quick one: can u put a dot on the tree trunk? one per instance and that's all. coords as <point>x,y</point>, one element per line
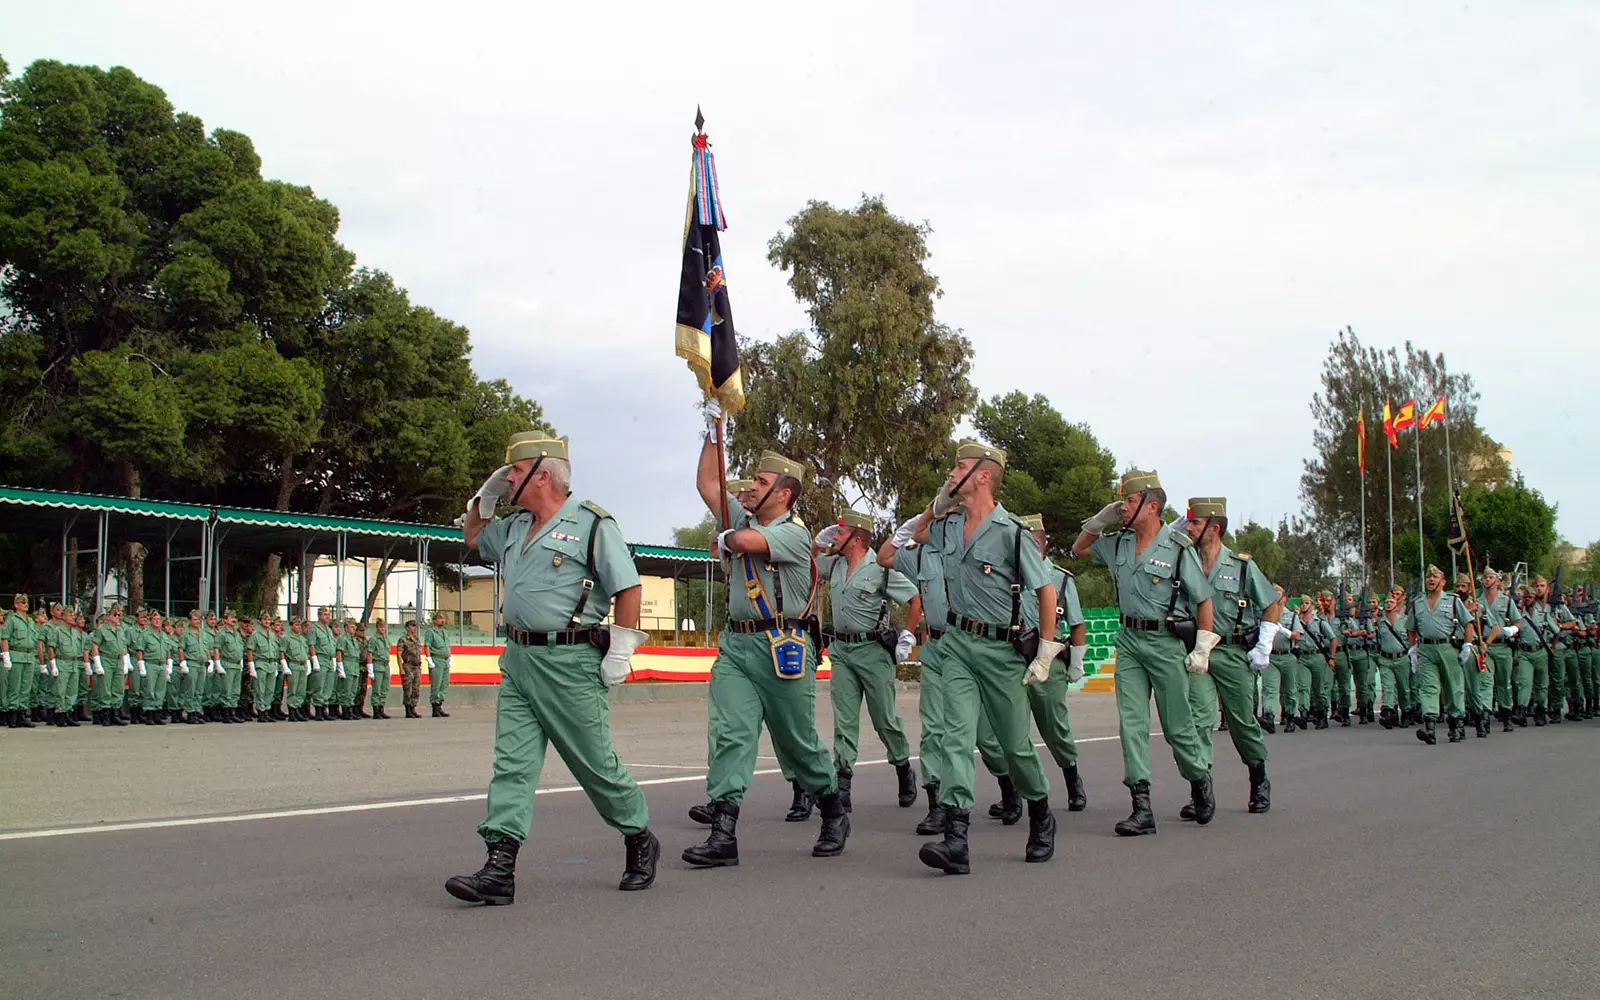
<point>384,569</point>
<point>274,570</point>
<point>133,552</point>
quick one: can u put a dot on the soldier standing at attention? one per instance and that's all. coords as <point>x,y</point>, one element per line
<point>1242,599</point>
<point>437,645</point>
<point>991,566</point>
<point>379,670</point>
<point>862,593</point>
<point>320,637</point>
<point>231,658</point>
<point>1162,591</point>
<point>349,670</point>
<point>297,653</point>
<point>565,565</point>
<point>195,649</point>
<point>765,670</point>
<point>68,658</point>
<point>410,651</point>
<point>109,645</point>
<point>19,653</point>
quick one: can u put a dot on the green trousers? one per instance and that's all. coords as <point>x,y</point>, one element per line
<point>864,671</point>
<point>983,677</point>
<point>989,749</point>
<point>1277,686</point>
<point>67,686</point>
<point>1530,674</point>
<point>320,684</point>
<point>44,688</point>
<point>1340,695</point>
<point>1151,664</point>
<point>20,682</point>
<point>746,693</point>
<point>191,686</point>
<point>438,680</point>
<point>553,695</point>
<point>232,686</point>
<point>1318,678</point>
<point>713,726</point>
<point>1395,675</point>
<point>1048,702</point>
<point>1501,662</point>
<point>155,686</point>
<point>299,682</point>
<point>1440,681</point>
<point>108,686</point>
<point>1556,678</point>
<point>1364,668</point>
<point>264,686</point>
<point>1591,681</point>
<point>930,710</point>
<point>1573,689</point>
<point>1231,682</point>
<point>344,689</point>
<point>1479,685</point>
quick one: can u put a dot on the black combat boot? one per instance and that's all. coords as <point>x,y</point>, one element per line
<point>81,713</point>
<point>1538,716</point>
<point>1505,715</point>
<point>1041,832</point>
<point>1484,724</point>
<point>835,826</point>
<point>1552,712</point>
<point>703,813</point>
<point>844,787</point>
<point>1386,717</point>
<point>1009,809</point>
<point>495,883</point>
<point>933,824</point>
<point>721,849</point>
<point>412,713</point>
<point>1077,798</point>
<point>1141,820</point>
<point>642,850</point>
<point>1574,713</point>
<point>1344,716</point>
<point>1458,728</point>
<point>112,719</point>
<point>908,784</point>
<point>1222,726</point>
<point>438,711</point>
<point>1205,803</point>
<point>800,805</point>
<point>950,854</point>
<point>1322,718</point>
<point>1260,788</point>
<point>23,720</point>
<point>1425,732</point>
<point>1268,724</point>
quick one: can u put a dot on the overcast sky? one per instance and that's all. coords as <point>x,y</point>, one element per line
<point>1146,216</point>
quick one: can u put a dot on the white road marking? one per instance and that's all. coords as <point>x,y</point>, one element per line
<point>440,800</point>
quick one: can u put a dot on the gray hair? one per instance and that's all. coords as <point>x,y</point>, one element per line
<point>560,473</point>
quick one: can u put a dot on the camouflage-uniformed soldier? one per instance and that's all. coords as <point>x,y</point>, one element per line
<point>409,649</point>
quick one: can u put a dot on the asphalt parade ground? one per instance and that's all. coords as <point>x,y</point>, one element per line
<point>309,860</point>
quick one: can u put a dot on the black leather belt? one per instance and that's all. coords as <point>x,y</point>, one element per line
<point>755,625</point>
<point>1242,641</point>
<point>982,630</point>
<point>1434,642</point>
<point>852,636</point>
<point>566,637</point>
<point>1142,624</point>
<point>935,633</point>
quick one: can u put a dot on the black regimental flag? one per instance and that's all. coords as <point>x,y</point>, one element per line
<point>704,336</point>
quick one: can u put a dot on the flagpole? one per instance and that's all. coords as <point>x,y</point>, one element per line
<point>1422,559</point>
<point>1450,481</point>
<point>1363,511</point>
<point>1388,456</point>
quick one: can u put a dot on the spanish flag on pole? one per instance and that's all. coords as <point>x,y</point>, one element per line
<point>1435,412</point>
<point>1407,417</point>
<point>705,335</point>
<point>1388,426</point>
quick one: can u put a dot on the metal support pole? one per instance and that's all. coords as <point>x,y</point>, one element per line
<point>677,622</point>
<point>461,602</point>
<point>422,555</point>
<point>166,559</point>
<point>103,536</point>
<point>338,574</point>
<point>66,530</point>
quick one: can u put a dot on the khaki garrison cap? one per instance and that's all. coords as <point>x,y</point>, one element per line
<point>977,449</point>
<point>1207,507</point>
<point>741,485</point>
<point>1463,578</point>
<point>19,597</point>
<point>1136,481</point>
<point>1434,571</point>
<point>1033,522</point>
<point>535,444</point>
<point>775,463</point>
<point>856,519</point>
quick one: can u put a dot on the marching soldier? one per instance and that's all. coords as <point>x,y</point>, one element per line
<point>1325,642</point>
<point>1394,663</point>
<point>765,670</point>
<point>409,649</point>
<point>437,645</point>
<point>992,566</point>
<point>1243,598</point>
<point>1531,678</point>
<point>862,593</point>
<point>379,672</point>
<point>1502,619</point>
<point>1478,674</point>
<point>1162,591</point>
<point>1434,620</point>
<point>1047,699</point>
<point>320,635</point>
<point>1348,631</point>
<point>1565,645</point>
<point>565,565</point>
<point>1295,680</point>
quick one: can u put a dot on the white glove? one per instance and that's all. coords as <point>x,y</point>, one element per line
<point>722,543</point>
<point>252,666</point>
<point>339,666</point>
<point>5,657</point>
<point>1181,525</point>
<point>1075,655</point>
<point>44,668</point>
<point>54,672</point>
<point>1110,514</point>
<point>99,670</point>
<point>1199,661</point>
<point>943,501</point>
<point>88,671</point>
<point>1039,670</point>
<point>902,534</point>
<point>713,415</point>
<point>1411,654</point>
<point>372,671</point>
<point>183,667</point>
<point>490,493</point>
<point>127,663</point>
<point>141,668</point>
<point>827,536</point>
<point>903,648</point>
<point>1510,631</point>
<point>169,670</point>
<point>1261,652</point>
<point>314,667</point>
<point>1468,654</point>
<point>618,661</point>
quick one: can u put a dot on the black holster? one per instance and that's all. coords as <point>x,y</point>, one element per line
<point>600,638</point>
<point>888,638</point>
<point>1026,644</point>
<point>1186,630</point>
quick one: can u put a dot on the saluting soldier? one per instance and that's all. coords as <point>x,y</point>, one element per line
<point>765,670</point>
<point>379,669</point>
<point>1435,620</point>
<point>861,594</point>
<point>436,643</point>
<point>565,565</point>
<point>992,566</point>
<point>1047,698</point>
<point>1394,663</point>
<point>409,649</point>
<point>324,678</point>
<point>1161,591</point>
<point>1243,598</point>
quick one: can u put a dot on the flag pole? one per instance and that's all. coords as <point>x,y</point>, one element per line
<point>722,470</point>
<point>1388,457</point>
<point>1363,451</point>
<point>1416,445</point>
<point>1450,482</point>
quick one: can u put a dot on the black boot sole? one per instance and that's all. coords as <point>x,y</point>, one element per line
<point>695,861</point>
<point>931,856</point>
<point>467,894</point>
<point>1135,831</point>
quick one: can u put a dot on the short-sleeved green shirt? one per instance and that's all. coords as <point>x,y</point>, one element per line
<point>856,595</point>
<point>923,564</point>
<point>1288,622</point>
<point>319,638</point>
<point>1144,580</point>
<point>230,645</point>
<point>1392,634</point>
<point>263,648</point>
<point>788,551</point>
<point>377,647</point>
<point>153,645</point>
<point>1563,614</point>
<point>1446,619</point>
<point>979,573</point>
<point>544,574</point>
<point>1069,610</point>
<point>349,648</point>
<point>67,643</point>
<point>1234,579</point>
<point>1501,611</point>
<point>21,637</point>
<point>196,649</point>
<point>438,644</point>
<point>109,639</point>
<point>296,649</point>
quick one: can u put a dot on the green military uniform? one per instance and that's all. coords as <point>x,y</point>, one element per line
<point>324,678</point>
<point>1438,626</point>
<point>68,654</point>
<point>1047,700</point>
<point>1240,593</point>
<point>107,693</point>
<point>1277,681</point>
<point>1497,614</point>
<point>438,643</point>
<point>1531,677</point>
<point>348,646</point>
<point>1355,646</point>
<point>1343,667</point>
<point>195,648</point>
<point>1477,675</point>
<point>152,650</point>
<point>44,688</point>
<point>1589,661</point>
<point>1316,645</point>
<point>379,668</point>
<point>297,651</point>
<point>1394,666</point>
<point>1571,682</point>
<point>263,648</point>
<point>860,597</point>
<point>21,636</point>
<point>554,693</point>
<point>230,650</point>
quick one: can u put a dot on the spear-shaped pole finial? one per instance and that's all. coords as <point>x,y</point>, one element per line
<point>699,120</point>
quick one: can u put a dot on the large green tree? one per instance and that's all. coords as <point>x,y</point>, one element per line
<point>1356,379</point>
<point>1052,467</point>
<point>871,391</point>
<point>1506,523</point>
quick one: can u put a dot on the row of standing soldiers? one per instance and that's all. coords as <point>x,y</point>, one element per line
<point>199,669</point>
